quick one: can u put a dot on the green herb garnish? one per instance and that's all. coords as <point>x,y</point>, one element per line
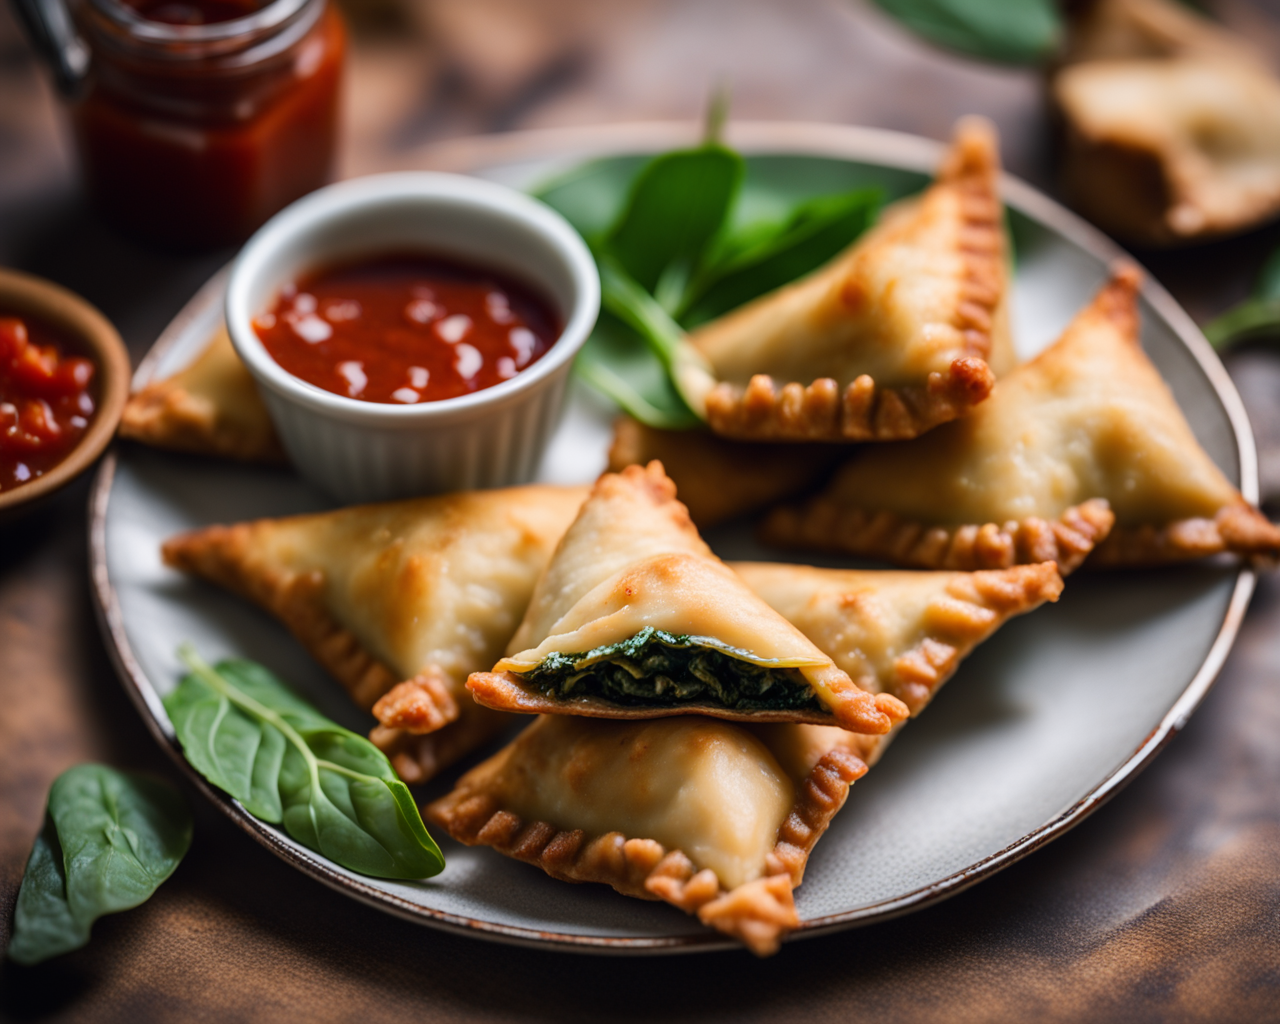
<point>333,790</point>
<point>1258,316</point>
<point>655,668</point>
<point>109,839</point>
<point>1003,31</point>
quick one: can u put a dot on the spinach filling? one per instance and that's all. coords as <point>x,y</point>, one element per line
<point>655,668</point>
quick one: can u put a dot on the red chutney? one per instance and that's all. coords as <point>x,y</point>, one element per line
<point>45,401</point>
<point>404,328</point>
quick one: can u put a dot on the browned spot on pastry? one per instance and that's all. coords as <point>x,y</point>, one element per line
<point>824,525</point>
<point>759,913</point>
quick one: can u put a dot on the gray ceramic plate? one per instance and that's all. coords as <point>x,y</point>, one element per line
<point>1011,754</point>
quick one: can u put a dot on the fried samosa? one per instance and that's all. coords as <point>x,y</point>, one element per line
<point>210,408</point>
<point>634,617</point>
<point>417,593</point>
<point>713,817</point>
<point>904,330</point>
<point>1083,436</point>
<point>903,633</point>
<point>1172,123</point>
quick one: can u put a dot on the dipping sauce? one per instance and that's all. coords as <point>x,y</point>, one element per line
<point>45,401</point>
<point>405,328</point>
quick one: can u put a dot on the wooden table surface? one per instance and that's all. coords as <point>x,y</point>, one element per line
<point>1164,905</point>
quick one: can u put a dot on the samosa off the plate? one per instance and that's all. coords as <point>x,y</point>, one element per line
<point>417,593</point>
<point>634,617</point>
<point>904,330</point>
<point>1083,436</point>
<point>714,817</point>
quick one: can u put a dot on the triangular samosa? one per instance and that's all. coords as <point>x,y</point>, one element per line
<point>634,617</point>
<point>904,330</point>
<point>713,817</point>
<point>211,407</point>
<point>896,632</point>
<point>1085,434</point>
<point>418,593</point>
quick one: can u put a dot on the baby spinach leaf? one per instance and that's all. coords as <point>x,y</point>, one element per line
<point>1004,31</point>
<point>109,839</point>
<point>768,258</point>
<point>1257,317</point>
<point>332,789</point>
<point>677,205</point>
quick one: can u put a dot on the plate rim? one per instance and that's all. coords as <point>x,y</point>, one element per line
<point>869,145</point>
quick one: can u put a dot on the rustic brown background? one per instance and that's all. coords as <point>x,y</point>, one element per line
<point>1165,905</point>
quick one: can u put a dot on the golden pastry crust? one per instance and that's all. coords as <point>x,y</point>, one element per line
<point>225,555</point>
<point>826,525</point>
<point>1084,432</point>
<point>210,408</point>
<point>904,370</point>
<point>633,562</point>
<point>719,479</point>
<point>759,912</point>
<point>903,633</point>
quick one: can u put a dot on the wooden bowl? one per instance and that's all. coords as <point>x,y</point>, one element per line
<point>85,332</point>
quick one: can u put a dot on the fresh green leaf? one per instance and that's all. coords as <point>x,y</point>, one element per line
<point>618,363</point>
<point>677,205</point>
<point>1004,31</point>
<point>332,789</point>
<point>109,840</point>
<point>762,259</point>
<point>1253,318</point>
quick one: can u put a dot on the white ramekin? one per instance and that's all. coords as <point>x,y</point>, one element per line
<point>368,451</point>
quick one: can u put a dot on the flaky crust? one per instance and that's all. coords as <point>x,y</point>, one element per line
<point>823,525</point>
<point>1238,529</point>
<point>762,411</point>
<point>719,479</point>
<point>867,410</point>
<point>504,691</point>
<point>210,408</point>
<point>759,913</point>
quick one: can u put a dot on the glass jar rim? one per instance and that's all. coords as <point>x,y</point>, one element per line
<point>272,16</point>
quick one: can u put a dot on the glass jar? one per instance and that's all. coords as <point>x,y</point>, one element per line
<point>194,134</point>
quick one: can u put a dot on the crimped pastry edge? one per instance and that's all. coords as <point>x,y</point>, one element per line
<point>823,525</point>
<point>220,554</point>
<point>1238,529</point>
<point>759,913</point>
<point>866,411</point>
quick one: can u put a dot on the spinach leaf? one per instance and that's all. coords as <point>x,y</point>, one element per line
<point>1257,317</point>
<point>109,839</point>
<point>677,205</point>
<point>332,789</point>
<point>1004,31</point>
<point>763,258</point>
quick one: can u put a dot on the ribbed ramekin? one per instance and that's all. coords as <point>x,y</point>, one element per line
<point>368,451</point>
